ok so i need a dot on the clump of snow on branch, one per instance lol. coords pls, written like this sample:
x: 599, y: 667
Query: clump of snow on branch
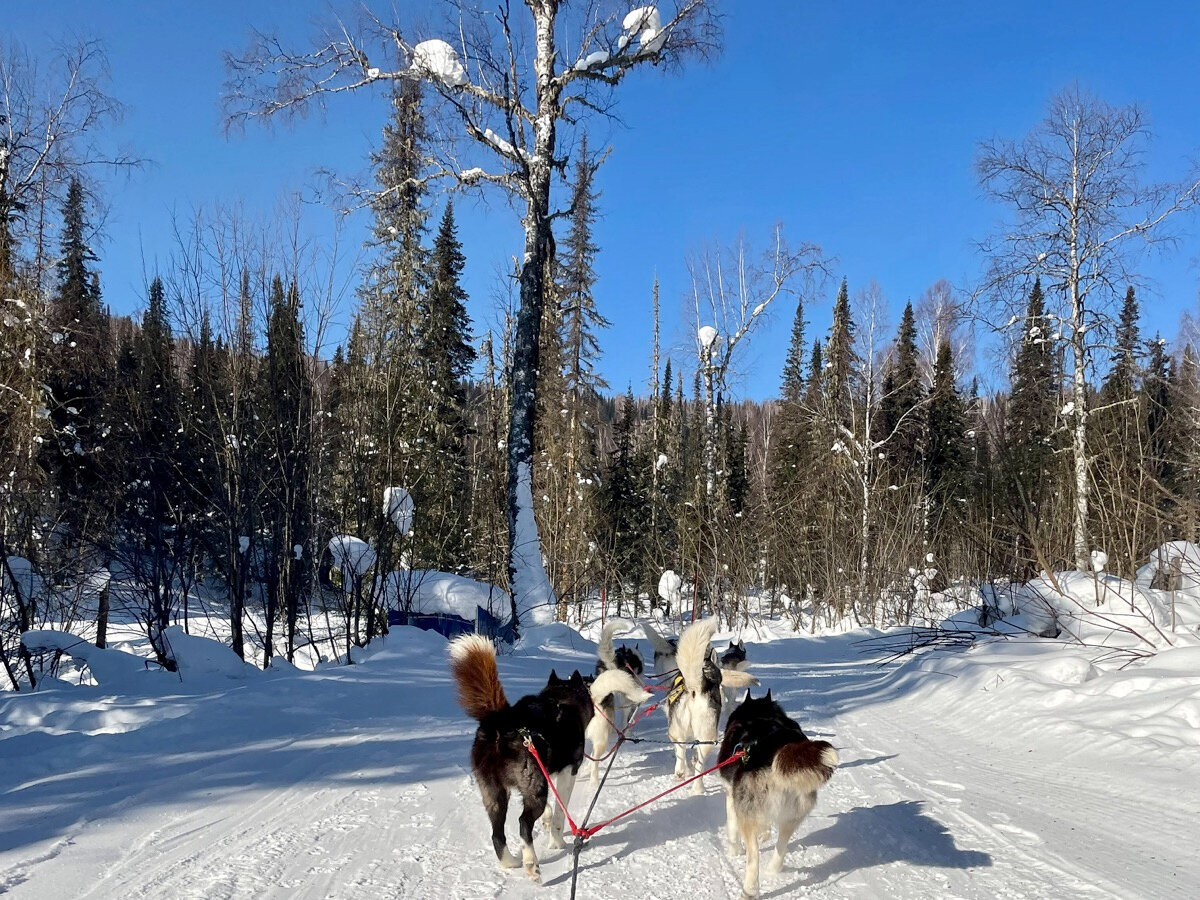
x: 439, y: 61
x: 707, y: 336
x: 398, y: 507
x: 599, y: 58
x: 646, y: 23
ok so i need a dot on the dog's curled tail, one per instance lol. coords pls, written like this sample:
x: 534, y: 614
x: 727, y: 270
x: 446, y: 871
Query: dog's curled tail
x: 473, y: 665
x: 618, y: 681
x: 806, y: 765
x: 693, y: 651
x: 604, y: 650
x: 737, y: 679
x: 662, y: 646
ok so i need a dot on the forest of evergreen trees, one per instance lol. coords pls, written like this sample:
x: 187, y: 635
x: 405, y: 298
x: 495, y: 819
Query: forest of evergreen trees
x: 203, y: 442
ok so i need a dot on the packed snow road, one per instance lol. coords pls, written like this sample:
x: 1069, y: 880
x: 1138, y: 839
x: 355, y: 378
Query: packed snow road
x: 353, y: 783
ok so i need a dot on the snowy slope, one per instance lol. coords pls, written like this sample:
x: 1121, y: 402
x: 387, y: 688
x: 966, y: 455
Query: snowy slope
x: 1015, y: 770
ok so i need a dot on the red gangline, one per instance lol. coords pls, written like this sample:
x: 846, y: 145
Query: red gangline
x: 591, y: 830
x: 586, y: 833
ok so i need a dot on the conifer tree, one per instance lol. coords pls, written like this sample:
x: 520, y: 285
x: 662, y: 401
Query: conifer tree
x: 900, y: 422
x: 1030, y: 427
x: 286, y: 407
x: 447, y: 355
x: 946, y: 454
x: 79, y: 364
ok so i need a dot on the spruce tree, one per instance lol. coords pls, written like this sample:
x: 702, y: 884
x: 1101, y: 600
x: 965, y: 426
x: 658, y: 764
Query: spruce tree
x: 80, y: 361
x: 447, y: 355
x: 900, y: 421
x: 286, y: 407
x: 1030, y: 427
x: 946, y: 453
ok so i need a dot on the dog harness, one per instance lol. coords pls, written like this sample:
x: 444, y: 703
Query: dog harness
x: 677, y: 688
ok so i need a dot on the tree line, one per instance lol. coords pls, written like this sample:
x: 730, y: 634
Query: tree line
x: 207, y: 442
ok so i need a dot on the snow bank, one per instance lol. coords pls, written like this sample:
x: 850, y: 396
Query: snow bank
x: 113, y: 669
x: 430, y: 591
x: 1097, y: 609
x: 201, y: 658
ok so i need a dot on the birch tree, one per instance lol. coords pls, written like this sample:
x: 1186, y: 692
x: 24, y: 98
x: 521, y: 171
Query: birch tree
x: 1079, y: 213
x: 732, y: 293
x: 508, y: 83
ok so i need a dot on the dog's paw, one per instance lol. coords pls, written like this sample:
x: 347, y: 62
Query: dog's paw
x: 508, y: 861
x: 534, y: 871
x: 775, y: 864
x: 735, y: 849
x: 556, y: 842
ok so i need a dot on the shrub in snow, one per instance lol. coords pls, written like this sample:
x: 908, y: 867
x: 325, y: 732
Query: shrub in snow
x: 1173, y: 566
x: 439, y: 61
x: 670, y: 588
x: 352, y: 555
x: 399, y: 508
x: 24, y: 579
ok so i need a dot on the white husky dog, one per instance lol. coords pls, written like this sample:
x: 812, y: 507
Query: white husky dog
x: 609, y: 713
x: 694, y: 704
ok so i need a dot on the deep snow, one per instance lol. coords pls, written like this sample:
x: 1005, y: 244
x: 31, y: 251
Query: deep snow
x: 1015, y: 769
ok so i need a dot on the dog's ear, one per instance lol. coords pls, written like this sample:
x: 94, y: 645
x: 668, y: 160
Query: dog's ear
x: 576, y: 678
x: 768, y: 697
x: 553, y: 679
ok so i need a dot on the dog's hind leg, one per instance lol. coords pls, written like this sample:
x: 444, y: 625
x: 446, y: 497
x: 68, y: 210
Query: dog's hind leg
x: 534, y: 805
x: 564, y: 782
x: 731, y: 825
x: 749, y: 830
x: 495, y: 803
x: 787, y: 828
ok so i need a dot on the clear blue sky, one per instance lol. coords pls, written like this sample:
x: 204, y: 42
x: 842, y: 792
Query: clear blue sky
x: 854, y: 124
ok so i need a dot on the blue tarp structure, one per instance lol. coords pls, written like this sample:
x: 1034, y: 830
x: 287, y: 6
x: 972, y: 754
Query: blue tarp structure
x: 451, y: 626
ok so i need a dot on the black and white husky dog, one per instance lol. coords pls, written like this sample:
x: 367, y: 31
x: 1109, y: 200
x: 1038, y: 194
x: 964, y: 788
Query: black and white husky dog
x: 733, y: 657
x: 628, y: 659
x: 554, y: 719
x: 694, y: 703
x: 664, y: 650
x: 774, y: 784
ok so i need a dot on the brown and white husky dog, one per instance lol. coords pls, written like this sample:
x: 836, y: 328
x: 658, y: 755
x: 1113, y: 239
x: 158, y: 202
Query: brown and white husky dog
x: 694, y: 703
x: 554, y: 719
x: 775, y: 784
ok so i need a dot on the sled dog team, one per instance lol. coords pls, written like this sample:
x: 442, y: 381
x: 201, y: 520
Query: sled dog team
x: 774, y: 783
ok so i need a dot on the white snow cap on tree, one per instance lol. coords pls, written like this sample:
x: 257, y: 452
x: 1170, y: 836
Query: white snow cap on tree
x: 1099, y: 560
x: 439, y: 61
x: 670, y: 587
x: 646, y: 22
x: 398, y: 506
x: 351, y: 554
x: 707, y: 335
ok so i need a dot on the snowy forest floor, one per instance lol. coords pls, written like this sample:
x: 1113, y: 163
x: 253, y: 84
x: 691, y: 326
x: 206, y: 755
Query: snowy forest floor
x: 1015, y: 769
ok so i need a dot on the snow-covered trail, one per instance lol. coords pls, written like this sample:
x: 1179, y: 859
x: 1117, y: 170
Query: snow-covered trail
x: 352, y: 783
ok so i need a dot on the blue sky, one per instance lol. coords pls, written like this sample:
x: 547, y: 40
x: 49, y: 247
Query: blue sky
x: 856, y: 125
